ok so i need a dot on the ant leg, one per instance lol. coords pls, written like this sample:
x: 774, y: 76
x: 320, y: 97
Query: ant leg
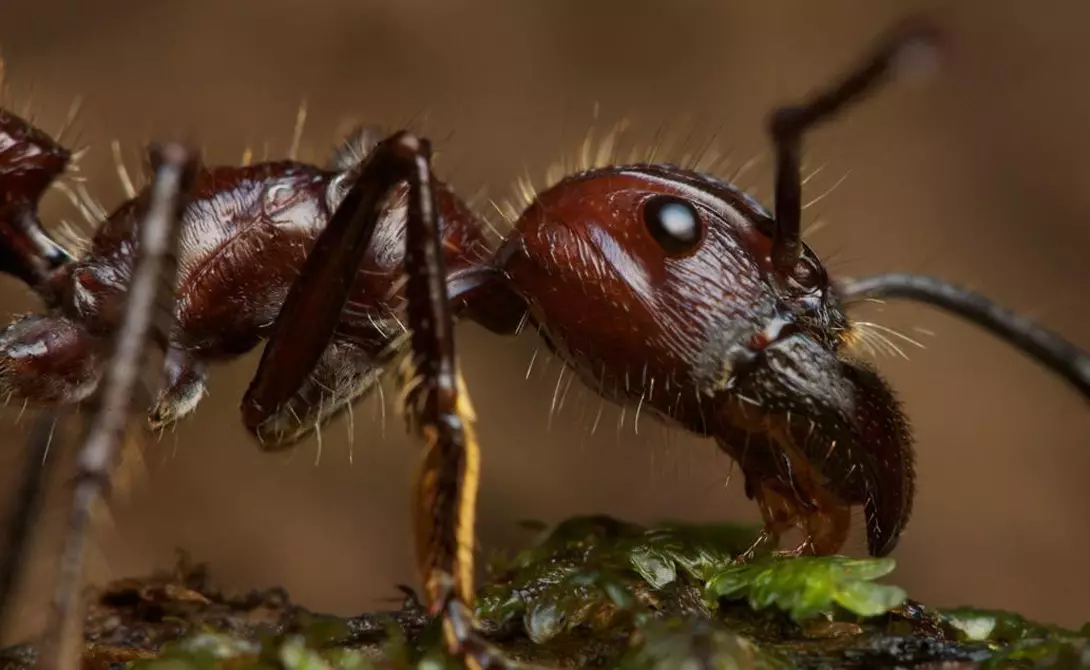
x: 478, y: 293
x: 145, y: 313
x: 345, y: 373
x: 435, y: 399
x: 1034, y: 340
x: 787, y: 125
x: 183, y: 387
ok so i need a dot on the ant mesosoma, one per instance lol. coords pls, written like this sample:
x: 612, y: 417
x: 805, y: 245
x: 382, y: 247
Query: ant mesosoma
x: 658, y: 285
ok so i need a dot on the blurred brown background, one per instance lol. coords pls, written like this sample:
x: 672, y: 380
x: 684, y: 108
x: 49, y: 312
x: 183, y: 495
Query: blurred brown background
x: 980, y: 176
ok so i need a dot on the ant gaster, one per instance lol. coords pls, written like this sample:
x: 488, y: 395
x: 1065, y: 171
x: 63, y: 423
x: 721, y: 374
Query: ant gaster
x: 658, y: 285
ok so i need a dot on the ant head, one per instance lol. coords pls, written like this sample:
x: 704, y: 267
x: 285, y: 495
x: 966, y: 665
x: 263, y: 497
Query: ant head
x: 662, y: 286
x: 664, y: 265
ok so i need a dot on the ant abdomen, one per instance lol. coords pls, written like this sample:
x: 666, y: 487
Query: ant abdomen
x: 30, y: 161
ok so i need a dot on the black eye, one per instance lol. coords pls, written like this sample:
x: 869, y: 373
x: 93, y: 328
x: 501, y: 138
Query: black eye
x: 673, y: 222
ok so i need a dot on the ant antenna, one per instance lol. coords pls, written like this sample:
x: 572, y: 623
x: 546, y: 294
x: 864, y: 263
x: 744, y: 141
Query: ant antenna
x: 910, y: 47
x: 1036, y: 341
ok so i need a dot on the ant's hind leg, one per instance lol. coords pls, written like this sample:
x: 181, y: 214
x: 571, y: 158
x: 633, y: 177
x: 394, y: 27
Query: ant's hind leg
x: 344, y: 375
x: 436, y: 403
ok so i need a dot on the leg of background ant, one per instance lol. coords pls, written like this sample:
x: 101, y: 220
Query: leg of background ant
x: 1039, y: 343
x: 145, y: 311
x: 788, y: 124
x: 27, y: 503
x: 436, y: 403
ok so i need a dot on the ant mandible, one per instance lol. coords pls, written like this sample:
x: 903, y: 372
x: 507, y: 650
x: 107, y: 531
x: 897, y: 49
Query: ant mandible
x: 658, y: 285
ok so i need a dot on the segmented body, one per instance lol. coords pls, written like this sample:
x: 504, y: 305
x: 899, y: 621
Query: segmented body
x: 244, y: 236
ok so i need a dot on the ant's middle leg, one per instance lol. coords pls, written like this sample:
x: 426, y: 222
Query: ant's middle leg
x: 436, y: 403
x: 346, y: 372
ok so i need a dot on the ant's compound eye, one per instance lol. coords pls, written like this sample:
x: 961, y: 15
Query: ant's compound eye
x: 807, y: 275
x: 673, y: 222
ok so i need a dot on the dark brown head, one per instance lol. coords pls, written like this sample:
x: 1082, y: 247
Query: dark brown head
x: 657, y: 285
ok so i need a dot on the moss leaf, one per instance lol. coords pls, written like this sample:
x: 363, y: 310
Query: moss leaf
x: 976, y: 625
x: 595, y: 570
x: 807, y: 586
x: 1072, y: 654
x: 696, y: 643
x: 699, y: 550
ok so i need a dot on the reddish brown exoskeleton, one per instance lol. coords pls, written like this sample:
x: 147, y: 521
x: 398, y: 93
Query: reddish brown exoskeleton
x: 659, y: 286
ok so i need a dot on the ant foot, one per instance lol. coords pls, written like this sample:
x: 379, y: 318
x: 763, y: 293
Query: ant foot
x: 765, y: 540
x: 465, y: 641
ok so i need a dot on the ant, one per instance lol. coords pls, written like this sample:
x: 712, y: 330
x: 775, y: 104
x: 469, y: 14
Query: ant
x: 659, y: 286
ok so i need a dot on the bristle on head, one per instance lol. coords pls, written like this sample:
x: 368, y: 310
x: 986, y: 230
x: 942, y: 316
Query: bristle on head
x: 679, y: 145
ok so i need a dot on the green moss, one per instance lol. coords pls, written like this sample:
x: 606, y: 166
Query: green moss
x: 597, y: 571
x: 1000, y: 627
x: 697, y: 643
x: 1018, y: 642
x: 594, y: 592
x: 807, y: 587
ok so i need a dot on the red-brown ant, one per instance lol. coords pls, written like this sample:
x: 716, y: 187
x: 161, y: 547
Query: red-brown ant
x: 659, y: 286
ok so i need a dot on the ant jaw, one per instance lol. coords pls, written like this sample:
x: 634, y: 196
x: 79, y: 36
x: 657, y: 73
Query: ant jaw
x: 742, y: 350
x: 889, y: 460
x: 824, y: 428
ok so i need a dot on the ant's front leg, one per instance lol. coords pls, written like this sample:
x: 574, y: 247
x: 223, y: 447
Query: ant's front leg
x: 147, y: 314
x: 436, y: 402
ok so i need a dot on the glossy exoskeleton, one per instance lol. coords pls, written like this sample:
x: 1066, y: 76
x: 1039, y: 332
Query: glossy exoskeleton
x: 658, y: 285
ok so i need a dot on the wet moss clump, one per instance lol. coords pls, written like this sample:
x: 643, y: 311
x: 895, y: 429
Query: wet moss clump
x: 593, y: 592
